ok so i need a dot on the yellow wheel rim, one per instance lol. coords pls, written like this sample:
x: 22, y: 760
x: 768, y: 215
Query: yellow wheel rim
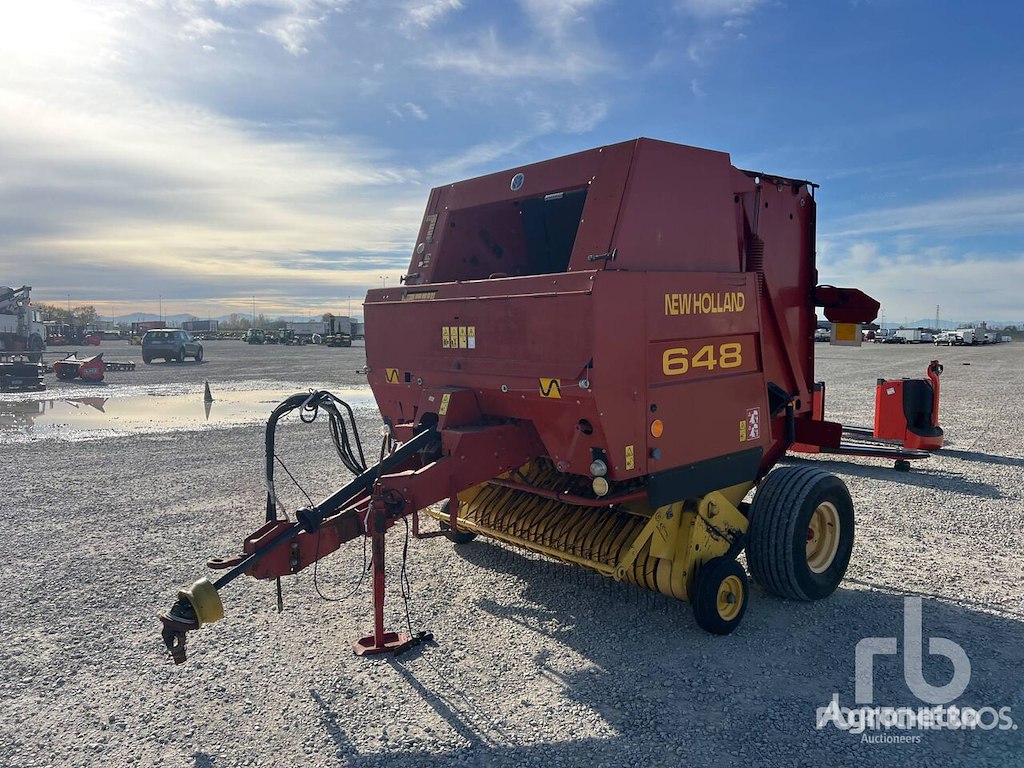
x: 823, y: 537
x: 730, y: 598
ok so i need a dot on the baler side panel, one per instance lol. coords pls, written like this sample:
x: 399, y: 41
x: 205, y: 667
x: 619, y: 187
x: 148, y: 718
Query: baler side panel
x: 781, y: 218
x: 677, y: 211
x: 525, y: 360
x: 618, y: 378
x: 704, y: 368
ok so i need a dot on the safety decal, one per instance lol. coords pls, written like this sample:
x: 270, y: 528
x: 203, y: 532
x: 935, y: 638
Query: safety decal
x: 391, y: 375
x: 630, y: 457
x: 754, y: 424
x: 445, y: 399
x: 458, y: 337
x: 551, y: 388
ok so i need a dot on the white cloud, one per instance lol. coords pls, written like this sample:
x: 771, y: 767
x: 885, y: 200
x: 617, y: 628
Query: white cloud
x: 961, y: 215
x: 910, y: 276
x: 715, y: 9
x: 416, y: 111
x: 715, y: 21
x: 420, y: 16
x: 409, y: 109
x: 488, y: 58
x: 559, y: 20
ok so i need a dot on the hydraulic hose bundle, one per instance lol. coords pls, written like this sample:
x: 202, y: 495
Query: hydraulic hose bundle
x: 309, y: 404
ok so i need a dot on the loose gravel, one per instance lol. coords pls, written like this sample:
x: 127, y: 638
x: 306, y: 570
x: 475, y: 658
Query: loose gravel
x: 535, y: 663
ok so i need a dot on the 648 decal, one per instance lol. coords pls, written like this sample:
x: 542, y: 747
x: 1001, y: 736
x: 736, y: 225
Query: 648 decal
x: 691, y: 358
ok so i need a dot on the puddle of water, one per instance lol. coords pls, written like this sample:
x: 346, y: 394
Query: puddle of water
x: 90, y: 416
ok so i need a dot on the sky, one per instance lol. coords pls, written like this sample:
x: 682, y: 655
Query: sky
x: 195, y: 154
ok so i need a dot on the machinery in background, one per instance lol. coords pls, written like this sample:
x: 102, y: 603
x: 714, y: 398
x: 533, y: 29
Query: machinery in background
x: 21, y: 326
x: 17, y: 375
x: 90, y: 369
x: 906, y: 422
x: 596, y: 357
x: 338, y: 340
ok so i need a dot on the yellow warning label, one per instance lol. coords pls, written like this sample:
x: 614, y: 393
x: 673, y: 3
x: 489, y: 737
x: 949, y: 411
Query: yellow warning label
x: 391, y: 375
x: 630, y: 457
x: 445, y: 399
x: 743, y: 430
x: 446, y: 339
x: 846, y: 331
x: 463, y: 337
x: 551, y: 388
x: 471, y: 337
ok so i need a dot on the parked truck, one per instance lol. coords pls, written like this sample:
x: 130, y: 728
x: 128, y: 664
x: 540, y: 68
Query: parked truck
x: 21, y: 326
x: 322, y: 328
x: 915, y: 335
x: 966, y: 336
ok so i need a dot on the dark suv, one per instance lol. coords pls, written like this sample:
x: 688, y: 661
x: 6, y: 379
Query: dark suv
x: 170, y: 344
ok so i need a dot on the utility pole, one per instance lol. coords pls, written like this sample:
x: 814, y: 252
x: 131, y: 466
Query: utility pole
x: 161, y: 309
x: 253, y: 311
x: 384, y: 281
x: 937, y: 328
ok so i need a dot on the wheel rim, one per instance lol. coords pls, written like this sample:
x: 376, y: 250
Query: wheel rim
x: 823, y: 537
x: 730, y: 598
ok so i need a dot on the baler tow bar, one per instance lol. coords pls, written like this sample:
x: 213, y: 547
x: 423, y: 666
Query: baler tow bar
x: 335, y: 519
x: 436, y: 460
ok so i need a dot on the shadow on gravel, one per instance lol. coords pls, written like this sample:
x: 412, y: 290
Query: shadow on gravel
x: 983, y: 458
x: 922, y: 477
x: 674, y: 695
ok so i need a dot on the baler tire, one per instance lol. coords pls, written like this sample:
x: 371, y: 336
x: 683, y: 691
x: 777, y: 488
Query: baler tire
x: 456, y: 536
x: 716, y: 606
x: 790, y: 505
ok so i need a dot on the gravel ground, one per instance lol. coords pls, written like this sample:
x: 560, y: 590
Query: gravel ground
x: 536, y: 663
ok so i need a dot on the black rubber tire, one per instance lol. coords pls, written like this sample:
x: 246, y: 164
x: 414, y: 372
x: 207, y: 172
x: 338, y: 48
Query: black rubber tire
x: 199, y: 355
x: 181, y: 355
x: 705, y: 595
x: 147, y: 359
x: 456, y: 537
x: 35, y: 348
x: 777, y: 537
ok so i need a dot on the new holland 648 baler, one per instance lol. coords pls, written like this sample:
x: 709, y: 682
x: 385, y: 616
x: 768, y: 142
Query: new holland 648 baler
x: 596, y: 357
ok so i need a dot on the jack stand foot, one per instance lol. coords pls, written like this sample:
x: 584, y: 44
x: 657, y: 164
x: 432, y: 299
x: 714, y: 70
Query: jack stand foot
x: 389, y: 642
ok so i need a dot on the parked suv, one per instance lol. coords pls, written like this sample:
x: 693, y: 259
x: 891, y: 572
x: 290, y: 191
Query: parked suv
x: 170, y: 344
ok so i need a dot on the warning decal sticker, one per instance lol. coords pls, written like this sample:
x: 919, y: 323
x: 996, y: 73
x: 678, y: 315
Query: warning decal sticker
x: 551, y: 388
x: 753, y: 424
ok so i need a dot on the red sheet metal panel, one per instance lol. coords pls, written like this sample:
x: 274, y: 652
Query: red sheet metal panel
x: 707, y: 302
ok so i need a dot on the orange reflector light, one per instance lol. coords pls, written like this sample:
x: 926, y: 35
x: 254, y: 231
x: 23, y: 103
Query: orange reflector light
x: 657, y: 428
